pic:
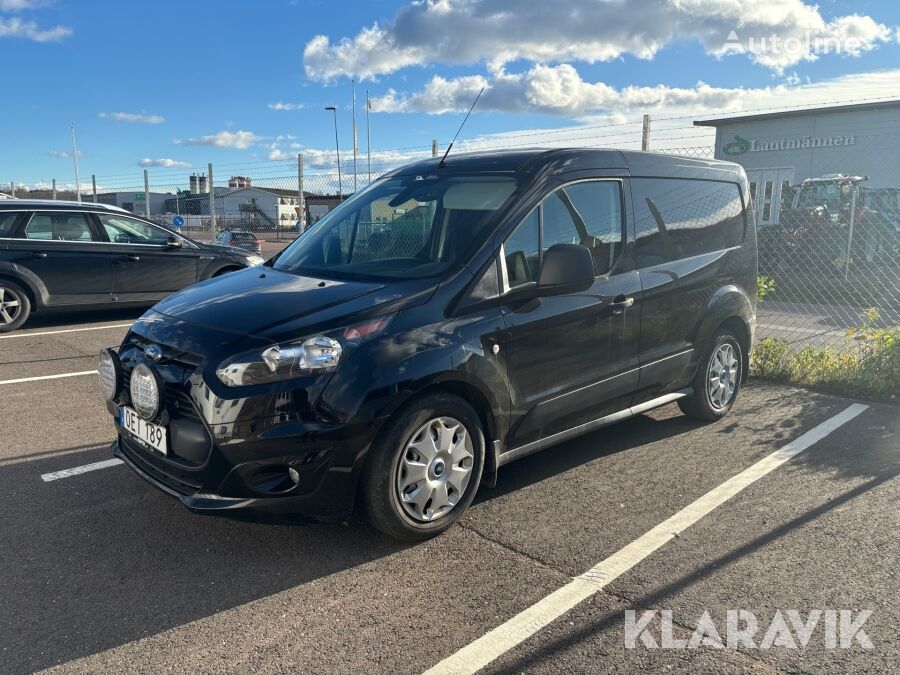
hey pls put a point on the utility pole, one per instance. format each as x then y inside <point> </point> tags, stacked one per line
<point>337,153</point>
<point>12,189</point>
<point>94,186</point>
<point>645,134</point>
<point>368,135</point>
<point>434,148</point>
<point>146,193</point>
<point>75,161</point>
<point>355,143</point>
<point>54,189</point>
<point>212,202</point>
<point>302,200</point>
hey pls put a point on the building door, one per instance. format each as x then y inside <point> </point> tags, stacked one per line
<point>767,189</point>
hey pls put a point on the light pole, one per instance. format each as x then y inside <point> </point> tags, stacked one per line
<point>75,162</point>
<point>337,152</point>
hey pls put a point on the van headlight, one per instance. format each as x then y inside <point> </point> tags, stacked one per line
<point>254,260</point>
<point>290,360</point>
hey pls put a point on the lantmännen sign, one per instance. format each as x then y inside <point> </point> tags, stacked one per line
<point>741,145</point>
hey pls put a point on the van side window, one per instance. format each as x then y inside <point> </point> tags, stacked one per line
<point>523,252</point>
<point>587,213</point>
<point>679,218</point>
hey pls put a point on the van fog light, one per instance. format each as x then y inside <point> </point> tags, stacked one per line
<point>110,374</point>
<point>145,391</point>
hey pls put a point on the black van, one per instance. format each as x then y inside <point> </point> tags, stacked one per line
<point>448,319</point>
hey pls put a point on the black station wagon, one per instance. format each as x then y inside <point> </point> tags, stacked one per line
<point>57,255</point>
<point>446,320</point>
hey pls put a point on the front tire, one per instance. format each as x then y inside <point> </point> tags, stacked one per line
<point>717,381</point>
<point>15,306</point>
<point>423,471</point>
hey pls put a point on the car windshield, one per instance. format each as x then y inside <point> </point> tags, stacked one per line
<point>402,227</point>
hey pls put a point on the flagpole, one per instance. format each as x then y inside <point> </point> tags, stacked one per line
<point>355,143</point>
<point>368,135</point>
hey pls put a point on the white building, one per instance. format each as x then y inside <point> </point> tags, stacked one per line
<point>266,208</point>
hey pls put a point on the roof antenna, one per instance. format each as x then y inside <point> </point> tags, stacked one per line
<point>444,158</point>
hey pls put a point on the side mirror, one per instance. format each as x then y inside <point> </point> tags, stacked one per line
<point>566,268</point>
<point>174,242</point>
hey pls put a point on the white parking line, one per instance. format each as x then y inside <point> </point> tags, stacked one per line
<point>67,330</point>
<point>48,377</point>
<point>78,470</point>
<point>500,640</point>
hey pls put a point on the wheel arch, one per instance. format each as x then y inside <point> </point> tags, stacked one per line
<point>34,297</point>
<point>730,308</point>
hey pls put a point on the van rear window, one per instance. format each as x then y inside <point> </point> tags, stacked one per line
<point>679,218</point>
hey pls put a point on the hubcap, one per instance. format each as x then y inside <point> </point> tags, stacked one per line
<point>9,306</point>
<point>722,376</point>
<point>434,469</point>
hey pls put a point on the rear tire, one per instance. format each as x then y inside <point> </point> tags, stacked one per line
<point>15,306</point>
<point>718,379</point>
<point>424,469</point>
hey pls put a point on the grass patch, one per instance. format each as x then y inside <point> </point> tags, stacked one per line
<point>868,364</point>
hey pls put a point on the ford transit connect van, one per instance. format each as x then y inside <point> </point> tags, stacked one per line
<point>446,320</point>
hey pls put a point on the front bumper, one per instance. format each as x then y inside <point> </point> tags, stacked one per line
<point>331,502</point>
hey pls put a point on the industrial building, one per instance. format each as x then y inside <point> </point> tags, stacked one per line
<point>781,149</point>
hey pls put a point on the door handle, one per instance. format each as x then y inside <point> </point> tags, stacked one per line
<point>38,254</point>
<point>133,258</point>
<point>620,303</point>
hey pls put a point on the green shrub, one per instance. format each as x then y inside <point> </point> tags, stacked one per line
<point>764,286</point>
<point>868,364</point>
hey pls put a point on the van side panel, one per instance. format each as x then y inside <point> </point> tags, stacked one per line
<point>690,237</point>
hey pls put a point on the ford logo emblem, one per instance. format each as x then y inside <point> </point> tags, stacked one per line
<point>154,353</point>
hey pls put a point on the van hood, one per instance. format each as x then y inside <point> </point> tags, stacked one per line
<point>263,302</point>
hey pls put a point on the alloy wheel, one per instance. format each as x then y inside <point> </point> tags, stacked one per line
<point>434,469</point>
<point>722,376</point>
<point>10,306</point>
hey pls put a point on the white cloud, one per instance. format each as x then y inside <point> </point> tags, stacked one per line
<point>276,153</point>
<point>164,162</point>
<point>498,32</point>
<point>132,117</point>
<point>14,27</point>
<point>62,154</point>
<point>238,140</point>
<point>284,106</point>
<point>19,5</point>
<point>560,90</point>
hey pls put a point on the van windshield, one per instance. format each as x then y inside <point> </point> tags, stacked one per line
<point>402,227</point>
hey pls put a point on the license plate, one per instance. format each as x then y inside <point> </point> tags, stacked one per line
<point>151,435</point>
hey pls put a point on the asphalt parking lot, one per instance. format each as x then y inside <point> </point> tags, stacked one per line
<point>102,573</point>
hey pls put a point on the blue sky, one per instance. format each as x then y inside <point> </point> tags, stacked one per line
<point>189,77</point>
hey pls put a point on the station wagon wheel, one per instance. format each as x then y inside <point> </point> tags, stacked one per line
<point>434,470</point>
<point>424,468</point>
<point>15,307</point>
<point>718,379</point>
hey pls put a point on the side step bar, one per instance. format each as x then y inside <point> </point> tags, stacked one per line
<point>543,443</point>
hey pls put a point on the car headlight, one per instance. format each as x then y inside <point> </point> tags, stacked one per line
<point>146,390</point>
<point>309,356</point>
<point>110,373</point>
<point>254,260</point>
